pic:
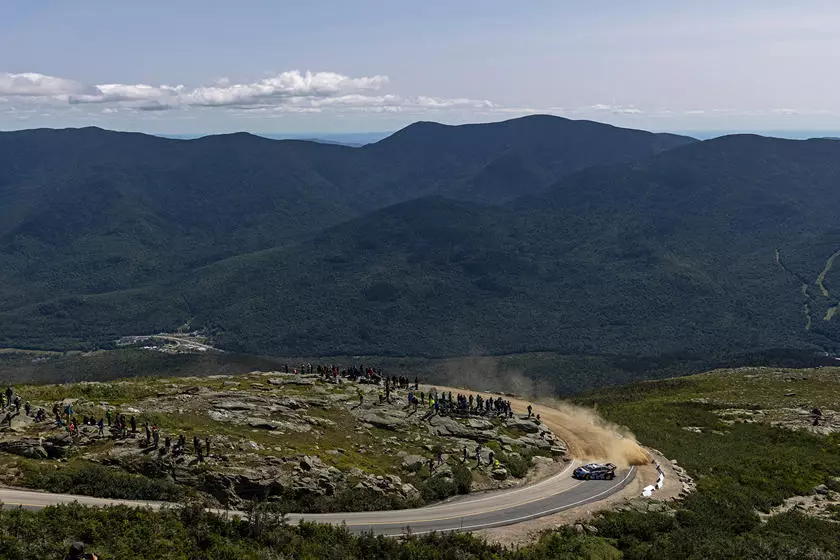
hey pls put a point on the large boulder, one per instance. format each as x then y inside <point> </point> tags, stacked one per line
<point>536,441</point>
<point>385,420</point>
<point>262,423</point>
<point>31,448</point>
<point>409,491</point>
<point>231,489</point>
<point>58,446</point>
<point>479,424</point>
<point>445,426</point>
<point>527,425</point>
<point>311,462</point>
<point>411,462</point>
<point>499,474</point>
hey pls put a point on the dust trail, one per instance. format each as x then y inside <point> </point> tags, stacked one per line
<point>587,435</point>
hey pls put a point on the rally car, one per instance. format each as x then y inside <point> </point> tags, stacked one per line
<point>595,471</point>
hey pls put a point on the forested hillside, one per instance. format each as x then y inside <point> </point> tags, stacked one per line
<point>711,249</point>
<point>89,211</point>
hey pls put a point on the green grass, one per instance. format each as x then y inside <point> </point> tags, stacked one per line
<point>740,469</point>
<point>114,393</point>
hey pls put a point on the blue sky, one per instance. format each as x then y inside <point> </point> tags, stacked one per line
<point>183,66</point>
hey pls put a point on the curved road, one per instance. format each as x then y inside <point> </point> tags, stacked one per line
<point>466,513</point>
<point>469,513</point>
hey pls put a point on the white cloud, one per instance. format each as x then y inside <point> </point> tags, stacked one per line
<point>292,91</point>
<point>31,84</point>
<point>616,109</point>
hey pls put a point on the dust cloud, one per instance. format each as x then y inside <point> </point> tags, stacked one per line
<point>587,435</point>
<point>487,374</point>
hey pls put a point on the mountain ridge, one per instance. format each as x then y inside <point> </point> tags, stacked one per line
<point>664,255</point>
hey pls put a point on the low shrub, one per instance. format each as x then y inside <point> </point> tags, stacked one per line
<point>90,479</point>
<point>438,488</point>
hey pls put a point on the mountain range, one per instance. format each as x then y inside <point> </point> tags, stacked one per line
<point>535,234</point>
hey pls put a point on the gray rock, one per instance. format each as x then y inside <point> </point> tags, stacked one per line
<point>320,422</point>
<point>409,491</point>
<point>445,426</point>
<point>58,446</point>
<point>499,474</point>
<point>218,415</point>
<point>310,462</point>
<point>233,405</point>
<point>383,420</point>
<point>249,446</point>
<point>291,403</point>
<point>538,460</point>
<point>30,448</point>
<point>526,425</point>
<point>262,423</point>
<point>296,381</point>
<point>479,424</point>
<point>231,489</point>
<point>411,461</point>
<point>534,441</point>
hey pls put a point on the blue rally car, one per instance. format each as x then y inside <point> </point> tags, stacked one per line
<point>595,471</point>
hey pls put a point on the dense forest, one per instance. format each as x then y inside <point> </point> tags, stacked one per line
<point>533,235</point>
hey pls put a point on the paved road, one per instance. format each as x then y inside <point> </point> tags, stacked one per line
<point>469,513</point>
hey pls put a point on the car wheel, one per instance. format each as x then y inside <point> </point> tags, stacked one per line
<point>588,477</point>
<point>611,476</point>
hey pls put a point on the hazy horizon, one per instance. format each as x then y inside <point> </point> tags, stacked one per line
<point>362,137</point>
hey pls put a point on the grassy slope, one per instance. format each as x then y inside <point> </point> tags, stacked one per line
<point>372,449</point>
<point>740,468</point>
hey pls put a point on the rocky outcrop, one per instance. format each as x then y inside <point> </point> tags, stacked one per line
<point>384,420</point>
<point>687,483</point>
<point>411,462</point>
<point>29,448</point>
<point>499,474</point>
<point>527,425</point>
<point>446,426</point>
<point>231,489</point>
<point>479,424</point>
<point>59,446</point>
<point>258,426</point>
<point>262,423</point>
